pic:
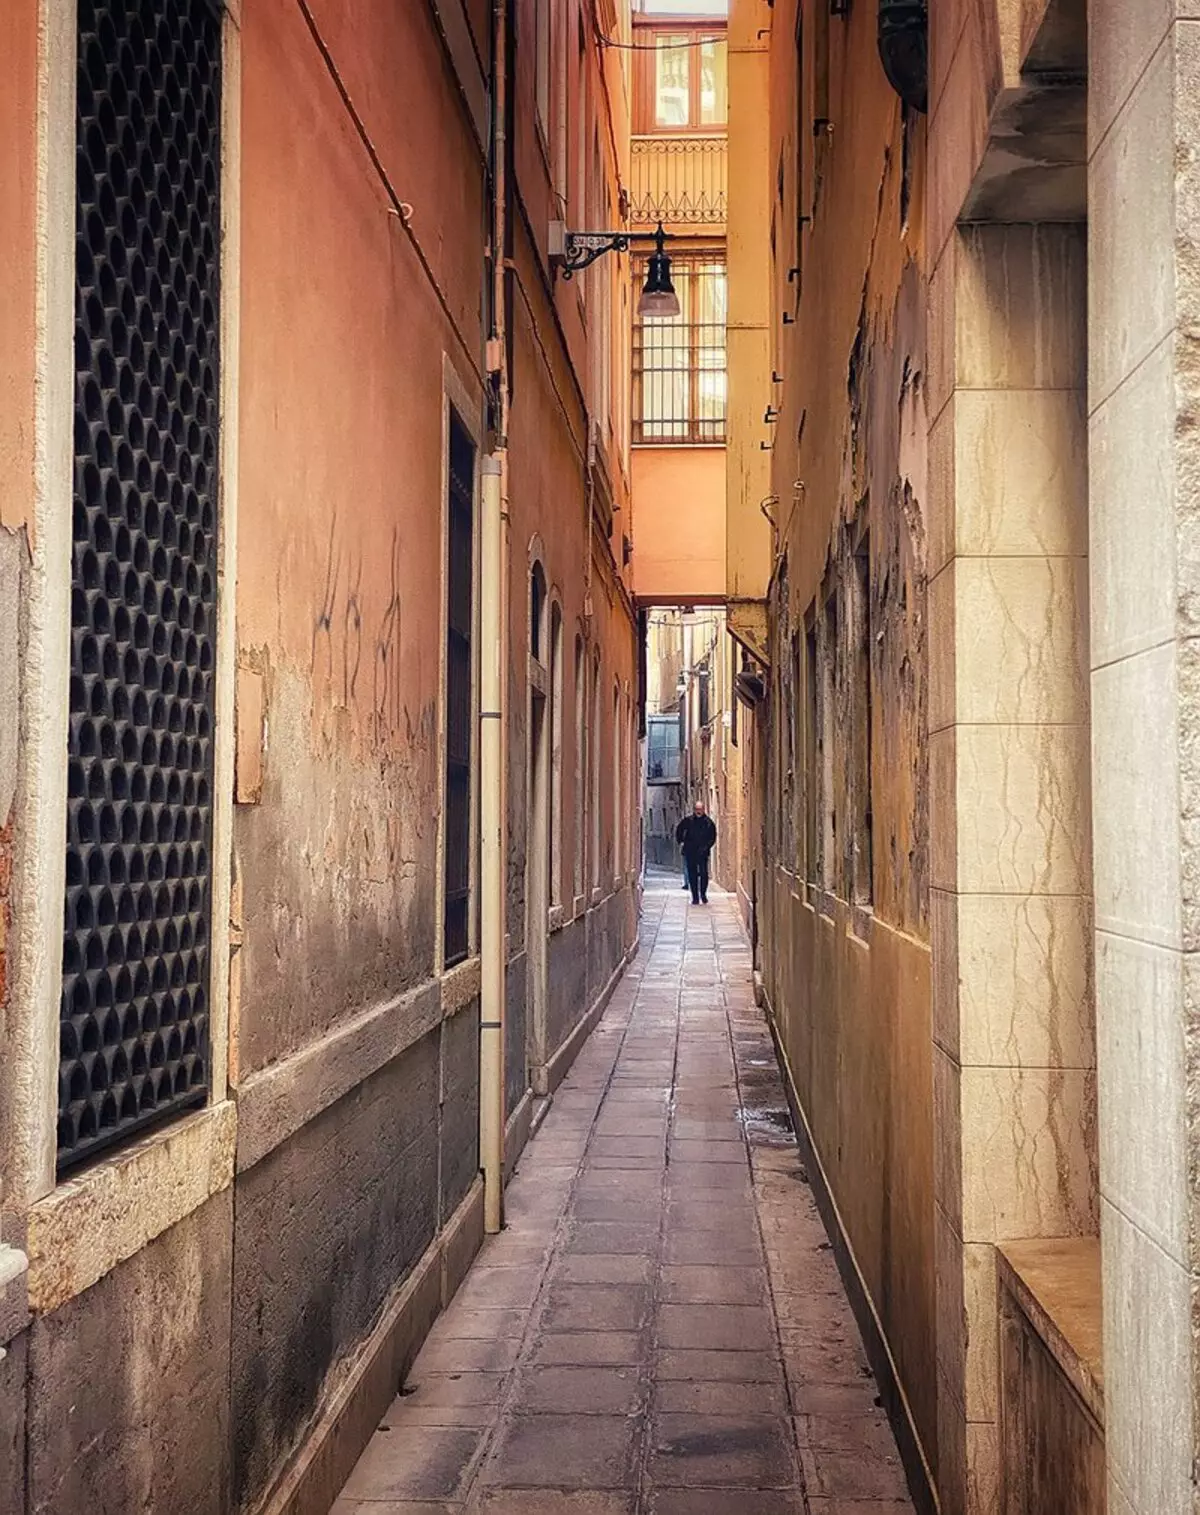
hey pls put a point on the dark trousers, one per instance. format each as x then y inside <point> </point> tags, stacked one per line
<point>697,867</point>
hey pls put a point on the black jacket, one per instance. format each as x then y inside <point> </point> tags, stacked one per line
<point>696,834</point>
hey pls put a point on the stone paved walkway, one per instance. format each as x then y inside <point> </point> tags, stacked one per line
<point>661,1327</point>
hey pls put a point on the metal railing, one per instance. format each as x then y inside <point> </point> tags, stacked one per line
<point>680,181</point>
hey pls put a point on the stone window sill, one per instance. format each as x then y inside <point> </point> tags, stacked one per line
<point>103,1215</point>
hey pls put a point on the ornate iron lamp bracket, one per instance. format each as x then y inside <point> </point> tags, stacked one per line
<point>582,248</point>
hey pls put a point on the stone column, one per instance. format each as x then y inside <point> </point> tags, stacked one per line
<point>1143,388</point>
<point>1014,1079</point>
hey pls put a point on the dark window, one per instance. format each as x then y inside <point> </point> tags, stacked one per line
<point>679,367</point>
<point>134,1017</point>
<point>828,754</point>
<point>864,891</point>
<point>460,579</point>
<point>537,610</point>
<point>811,776</point>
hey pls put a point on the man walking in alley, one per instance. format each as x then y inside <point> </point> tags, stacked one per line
<point>697,835</point>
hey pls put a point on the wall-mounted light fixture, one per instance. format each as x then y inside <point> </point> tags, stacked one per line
<point>580,249</point>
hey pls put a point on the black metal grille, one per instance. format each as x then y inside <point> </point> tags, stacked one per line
<point>679,364</point>
<point>134,1023</point>
<point>460,575</point>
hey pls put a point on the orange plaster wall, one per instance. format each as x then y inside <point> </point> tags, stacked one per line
<point>679,524</point>
<point>340,517</point>
<point>18,269</point>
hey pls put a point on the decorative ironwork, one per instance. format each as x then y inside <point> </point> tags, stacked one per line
<point>680,181</point>
<point>582,248</point>
<point>134,1019</point>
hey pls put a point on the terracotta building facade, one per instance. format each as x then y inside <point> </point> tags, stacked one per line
<point>279,298</point>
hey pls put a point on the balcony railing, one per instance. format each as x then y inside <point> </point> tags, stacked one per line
<point>680,181</point>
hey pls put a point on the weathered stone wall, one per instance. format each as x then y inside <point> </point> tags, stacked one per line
<point>326,1225</point>
<point>128,1383</point>
<point>844,910</point>
<point>203,1300</point>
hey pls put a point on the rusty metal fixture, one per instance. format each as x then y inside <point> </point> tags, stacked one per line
<point>904,49</point>
<point>134,1015</point>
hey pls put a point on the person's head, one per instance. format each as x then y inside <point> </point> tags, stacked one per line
<point>698,808</point>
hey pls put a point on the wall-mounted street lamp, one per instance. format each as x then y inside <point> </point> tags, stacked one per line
<point>580,249</point>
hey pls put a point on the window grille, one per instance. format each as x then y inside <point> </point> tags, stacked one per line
<point>679,370</point>
<point>134,1016</point>
<point>460,577</point>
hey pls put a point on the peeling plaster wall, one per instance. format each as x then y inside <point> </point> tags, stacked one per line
<point>340,545</point>
<point>849,977</point>
<point>129,1408</point>
<point>194,1368</point>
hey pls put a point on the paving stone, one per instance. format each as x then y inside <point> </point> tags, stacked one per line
<point>493,1288</point>
<point>701,1154</point>
<point>726,1502</point>
<point>552,1502</point>
<point>699,1284</point>
<point>860,1506</point>
<point>730,1367</point>
<point>415,1462</point>
<point>596,1307</point>
<point>588,1452</point>
<point>603,1268</point>
<point>628,1209</point>
<point>731,1328</point>
<point>611,1236</point>
<point>578,1391</point>
<point>345,1506</point>
<point>853,1475</point>
<point>721,1451</point>
<point>869,1434</point>
<point>712,1248</point>
<point>466,1355</point>
<point>626,1146</point>
<point>480,1324</point>
<point>682,1315</point>
<point>580,1348</point>
<point>818,1397</point>
<point>704,1398</point>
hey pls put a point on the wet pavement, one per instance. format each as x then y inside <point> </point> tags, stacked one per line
<point>661,1329</point>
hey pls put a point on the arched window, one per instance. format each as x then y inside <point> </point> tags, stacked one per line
<point>537,612</point>
<point>556,723</point>
<point>594,763</point>
<point>580,775</point>
<point>618,763</point>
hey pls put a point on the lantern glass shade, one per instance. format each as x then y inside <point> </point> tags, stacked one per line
<point>658,300</point>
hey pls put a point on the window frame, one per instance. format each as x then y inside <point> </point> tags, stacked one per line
<point>697,30</point>
<point>463,504</point>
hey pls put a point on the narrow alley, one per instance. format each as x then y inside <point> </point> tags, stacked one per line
<point>661,1326</point>
<point>468,467</point>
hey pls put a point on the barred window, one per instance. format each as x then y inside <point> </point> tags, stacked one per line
<point>134,1015</point>
<point>679,364</point>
